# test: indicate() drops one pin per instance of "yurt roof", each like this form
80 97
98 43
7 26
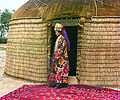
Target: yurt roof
55 9
32 8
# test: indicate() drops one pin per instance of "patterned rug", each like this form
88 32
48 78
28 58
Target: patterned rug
72 92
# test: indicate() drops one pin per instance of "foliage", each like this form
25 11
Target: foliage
3 40
5 17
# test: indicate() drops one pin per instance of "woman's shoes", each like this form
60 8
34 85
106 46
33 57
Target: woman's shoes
58 85
62 85
52 84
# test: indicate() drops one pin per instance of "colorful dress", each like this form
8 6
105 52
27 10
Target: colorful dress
60 62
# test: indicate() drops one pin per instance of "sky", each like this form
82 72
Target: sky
11 4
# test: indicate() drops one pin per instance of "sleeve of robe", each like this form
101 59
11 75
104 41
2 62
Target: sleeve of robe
61 48
61 55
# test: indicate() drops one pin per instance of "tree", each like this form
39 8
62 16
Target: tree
5 17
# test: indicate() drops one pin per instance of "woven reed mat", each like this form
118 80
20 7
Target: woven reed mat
72 92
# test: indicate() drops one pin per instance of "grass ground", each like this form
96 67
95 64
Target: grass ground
3 47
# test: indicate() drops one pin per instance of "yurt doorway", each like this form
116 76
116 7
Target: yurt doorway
72 35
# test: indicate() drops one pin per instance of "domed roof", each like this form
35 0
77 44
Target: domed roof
55 9
32 8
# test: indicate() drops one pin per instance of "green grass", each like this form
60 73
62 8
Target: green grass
2 49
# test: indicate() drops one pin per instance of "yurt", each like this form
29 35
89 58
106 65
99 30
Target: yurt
93 28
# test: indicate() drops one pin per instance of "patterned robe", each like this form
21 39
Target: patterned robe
60 62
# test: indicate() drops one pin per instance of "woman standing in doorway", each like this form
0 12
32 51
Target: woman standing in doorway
60 62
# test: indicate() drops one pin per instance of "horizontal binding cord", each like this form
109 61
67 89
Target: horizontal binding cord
11 49
95 43
97 63
28 43
99 55
95 46
99 68
27 23
103 67
101 17
89 30
20 66
43 26
98 76
30 49
85 47
97 35
98 39
100 72
27 31
39 56
82 50
27 71
34 34
28 34
102 22
26 79
94 59
18 63
96 67
27 53
30 60
26 18
27 56
99 80
26 48
27 37
99 26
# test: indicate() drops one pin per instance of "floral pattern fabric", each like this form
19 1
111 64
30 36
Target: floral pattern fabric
60 62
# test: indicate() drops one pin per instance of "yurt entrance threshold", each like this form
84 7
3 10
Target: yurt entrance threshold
71 29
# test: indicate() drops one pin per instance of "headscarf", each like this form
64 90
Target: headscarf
60 27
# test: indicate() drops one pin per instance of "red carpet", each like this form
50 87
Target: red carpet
72 92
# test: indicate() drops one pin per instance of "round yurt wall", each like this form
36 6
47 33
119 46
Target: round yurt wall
100 52
27 53
27 49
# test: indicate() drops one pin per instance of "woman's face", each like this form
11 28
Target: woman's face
57 33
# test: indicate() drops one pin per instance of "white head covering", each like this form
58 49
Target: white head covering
58 27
